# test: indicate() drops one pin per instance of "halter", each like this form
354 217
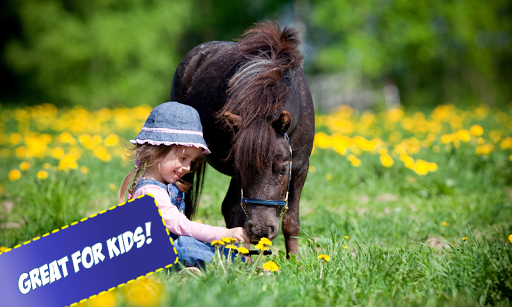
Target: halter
265 202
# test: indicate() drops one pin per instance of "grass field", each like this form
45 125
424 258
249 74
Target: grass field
413 208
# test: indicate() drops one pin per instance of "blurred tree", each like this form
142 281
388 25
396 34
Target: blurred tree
97 52
228 19
435 51
108 52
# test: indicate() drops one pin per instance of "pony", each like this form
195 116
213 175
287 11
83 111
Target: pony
258 121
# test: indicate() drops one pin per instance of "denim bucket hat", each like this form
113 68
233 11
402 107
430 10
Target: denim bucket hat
172 123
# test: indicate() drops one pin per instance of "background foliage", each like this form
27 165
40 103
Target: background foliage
107 53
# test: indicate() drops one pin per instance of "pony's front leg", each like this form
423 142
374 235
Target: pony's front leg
233 213
291 222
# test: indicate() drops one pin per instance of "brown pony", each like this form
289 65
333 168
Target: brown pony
252 96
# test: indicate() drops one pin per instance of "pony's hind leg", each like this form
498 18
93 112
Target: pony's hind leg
233 213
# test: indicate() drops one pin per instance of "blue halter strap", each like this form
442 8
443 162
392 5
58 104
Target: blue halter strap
244 201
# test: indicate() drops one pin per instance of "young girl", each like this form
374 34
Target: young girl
170 142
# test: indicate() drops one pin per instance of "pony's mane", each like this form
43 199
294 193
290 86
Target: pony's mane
259 89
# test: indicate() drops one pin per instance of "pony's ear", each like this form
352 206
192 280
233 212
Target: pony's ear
233 120
282 124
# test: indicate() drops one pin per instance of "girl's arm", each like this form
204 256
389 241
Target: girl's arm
177 222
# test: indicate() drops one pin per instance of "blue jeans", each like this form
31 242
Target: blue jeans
192 252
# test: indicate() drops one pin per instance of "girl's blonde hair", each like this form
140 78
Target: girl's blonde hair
147 156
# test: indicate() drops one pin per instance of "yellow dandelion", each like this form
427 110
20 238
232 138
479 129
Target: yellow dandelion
85 139
482 112
345 247
446 138
42 175
386 160
36 146
243 250
143 292
354 160
112 140
510 238
102 154
261 247
510 157
231 246
322 140
97 139
14 175
265 241
364 144
47 166
463 135
57 153
15 138
21 152
106 299
346 237
113 187
229 240
476 130
68 161
84 170
328 177
432 166
444 223
324 257
485 149
3 249
24 166
270 266
464 239
340 143
217 242
66 137
421 167
394 115
407 160
312 169
506 143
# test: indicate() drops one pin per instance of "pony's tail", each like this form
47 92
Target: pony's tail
126 182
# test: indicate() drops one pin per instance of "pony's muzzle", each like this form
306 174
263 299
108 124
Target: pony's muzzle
261 230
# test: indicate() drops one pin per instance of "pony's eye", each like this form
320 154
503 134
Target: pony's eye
283 170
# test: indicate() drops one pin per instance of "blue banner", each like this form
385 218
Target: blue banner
87 257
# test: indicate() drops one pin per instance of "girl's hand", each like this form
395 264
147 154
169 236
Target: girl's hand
237 233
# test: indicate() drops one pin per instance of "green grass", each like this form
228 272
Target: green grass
398 252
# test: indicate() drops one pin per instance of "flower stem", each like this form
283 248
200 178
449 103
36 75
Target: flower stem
220 260
229 256
257 259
